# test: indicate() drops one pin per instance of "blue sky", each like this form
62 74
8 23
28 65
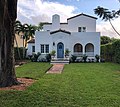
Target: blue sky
35 11
87 6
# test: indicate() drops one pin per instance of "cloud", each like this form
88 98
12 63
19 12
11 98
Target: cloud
106 29
35 11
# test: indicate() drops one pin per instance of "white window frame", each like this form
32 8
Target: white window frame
81 29
44 50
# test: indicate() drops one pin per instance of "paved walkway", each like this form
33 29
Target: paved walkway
56 68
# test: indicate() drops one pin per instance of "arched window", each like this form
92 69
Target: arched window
89 49
78 47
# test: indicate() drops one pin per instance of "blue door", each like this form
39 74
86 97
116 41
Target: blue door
60 50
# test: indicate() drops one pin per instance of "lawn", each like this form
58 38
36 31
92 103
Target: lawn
80 85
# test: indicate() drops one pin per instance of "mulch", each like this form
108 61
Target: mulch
25 82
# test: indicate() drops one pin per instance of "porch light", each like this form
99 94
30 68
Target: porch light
53 43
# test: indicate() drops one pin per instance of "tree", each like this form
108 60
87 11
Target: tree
105 40
17 23
26 31
40 26
8 13
107 15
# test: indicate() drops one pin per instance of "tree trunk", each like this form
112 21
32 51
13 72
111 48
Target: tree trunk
8 11
114 28
17 48
23 48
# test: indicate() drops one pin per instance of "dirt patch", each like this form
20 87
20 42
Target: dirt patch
25 83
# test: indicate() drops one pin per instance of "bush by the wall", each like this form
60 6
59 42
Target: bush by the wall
111 51
116 51
48 57
107 52
73 58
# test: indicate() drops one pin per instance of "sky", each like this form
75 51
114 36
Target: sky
35 11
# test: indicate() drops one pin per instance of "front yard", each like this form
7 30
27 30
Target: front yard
79 85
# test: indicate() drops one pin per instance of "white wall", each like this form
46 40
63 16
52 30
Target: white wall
82 21
69 40
55 22
84 38
73 24
29 49
47 27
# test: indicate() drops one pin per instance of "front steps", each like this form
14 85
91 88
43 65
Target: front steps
60 61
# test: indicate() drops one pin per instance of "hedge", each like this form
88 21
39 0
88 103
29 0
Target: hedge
111 51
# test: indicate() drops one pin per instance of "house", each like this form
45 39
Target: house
78 35
19 40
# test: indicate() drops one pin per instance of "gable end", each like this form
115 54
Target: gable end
81 15
64 31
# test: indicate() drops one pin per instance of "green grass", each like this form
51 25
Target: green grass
80 85
32 70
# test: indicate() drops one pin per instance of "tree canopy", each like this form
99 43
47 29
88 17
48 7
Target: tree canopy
107 15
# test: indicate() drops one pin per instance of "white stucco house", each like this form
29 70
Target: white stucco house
78 35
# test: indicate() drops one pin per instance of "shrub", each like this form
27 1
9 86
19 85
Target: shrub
97 58
111 51
84 57
67 52
107 52
52 53
116 51
73 58
48 57
35 57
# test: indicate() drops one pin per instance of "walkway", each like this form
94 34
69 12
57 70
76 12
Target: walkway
56 68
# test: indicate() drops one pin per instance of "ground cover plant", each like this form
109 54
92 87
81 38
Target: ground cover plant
79 85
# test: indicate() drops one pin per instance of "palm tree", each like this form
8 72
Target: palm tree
20 30
30 32
17 24
40 26
107 15
27 32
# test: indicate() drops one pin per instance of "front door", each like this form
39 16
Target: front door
60 50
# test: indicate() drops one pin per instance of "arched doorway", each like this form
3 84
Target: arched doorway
60 50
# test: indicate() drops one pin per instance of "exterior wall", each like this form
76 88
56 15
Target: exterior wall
69 40
47 27
42 38
73 24
82 21
84 38
46 38
19 41
55 22
29 48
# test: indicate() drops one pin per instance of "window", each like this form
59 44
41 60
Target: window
33 48
44 48
78 48
81 29
84 29
47 48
